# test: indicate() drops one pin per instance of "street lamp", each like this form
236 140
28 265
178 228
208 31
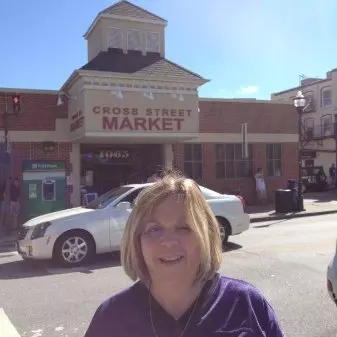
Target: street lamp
299 103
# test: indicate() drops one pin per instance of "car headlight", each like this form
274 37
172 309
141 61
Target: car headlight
39 230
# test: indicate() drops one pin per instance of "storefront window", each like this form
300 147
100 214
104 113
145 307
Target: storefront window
230 163
274 162
193 160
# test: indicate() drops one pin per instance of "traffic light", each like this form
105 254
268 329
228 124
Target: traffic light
16 103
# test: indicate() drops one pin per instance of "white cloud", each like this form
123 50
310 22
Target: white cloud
250 89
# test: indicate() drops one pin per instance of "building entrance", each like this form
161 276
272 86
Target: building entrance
104 167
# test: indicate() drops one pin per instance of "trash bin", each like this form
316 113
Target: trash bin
293 187
283 201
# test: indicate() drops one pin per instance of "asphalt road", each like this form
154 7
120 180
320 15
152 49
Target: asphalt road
287 260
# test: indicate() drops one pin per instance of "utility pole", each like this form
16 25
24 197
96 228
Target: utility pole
16 109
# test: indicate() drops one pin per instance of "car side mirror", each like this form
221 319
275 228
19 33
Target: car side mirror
123 206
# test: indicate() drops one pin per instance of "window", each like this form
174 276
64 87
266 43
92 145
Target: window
274 160
152 42
309 124
134 40
193 160
326 97
326 123
229 161
132 196
115 38
310 102
309 163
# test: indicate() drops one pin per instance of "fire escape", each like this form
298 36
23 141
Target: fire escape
311 133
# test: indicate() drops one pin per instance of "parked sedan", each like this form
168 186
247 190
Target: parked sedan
73 236
332 278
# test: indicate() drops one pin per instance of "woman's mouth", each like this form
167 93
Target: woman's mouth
171 259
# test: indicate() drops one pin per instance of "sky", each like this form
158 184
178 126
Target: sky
246 48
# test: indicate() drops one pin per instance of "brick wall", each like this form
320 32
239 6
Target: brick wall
262 117
227 116
246 186
39 111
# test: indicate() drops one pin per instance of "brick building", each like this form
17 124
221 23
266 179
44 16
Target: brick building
129 110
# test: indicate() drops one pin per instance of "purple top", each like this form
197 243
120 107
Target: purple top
226 307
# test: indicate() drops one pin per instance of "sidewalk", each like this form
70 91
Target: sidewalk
8 240
314 204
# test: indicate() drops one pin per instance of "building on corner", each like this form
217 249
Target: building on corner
130 110
319 136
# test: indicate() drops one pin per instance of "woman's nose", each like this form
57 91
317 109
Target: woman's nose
169 238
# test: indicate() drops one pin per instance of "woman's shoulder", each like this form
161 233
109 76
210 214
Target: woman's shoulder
113 311
231 287
123 299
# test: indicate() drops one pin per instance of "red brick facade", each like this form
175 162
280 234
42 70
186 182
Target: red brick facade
40 112
246 186
262 118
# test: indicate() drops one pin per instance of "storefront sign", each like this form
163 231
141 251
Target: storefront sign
126 119
43 166
77 123
306 154
111 154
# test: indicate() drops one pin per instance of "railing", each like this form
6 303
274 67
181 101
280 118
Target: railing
320 132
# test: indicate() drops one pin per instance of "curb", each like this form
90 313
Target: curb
6 244
290 216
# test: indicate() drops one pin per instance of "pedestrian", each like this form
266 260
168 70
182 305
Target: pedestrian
171 248
260 186
14 202
2 204
332 175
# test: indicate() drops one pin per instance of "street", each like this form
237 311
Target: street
286 259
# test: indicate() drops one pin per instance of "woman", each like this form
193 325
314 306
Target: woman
260 186
172 248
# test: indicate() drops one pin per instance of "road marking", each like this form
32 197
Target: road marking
7 329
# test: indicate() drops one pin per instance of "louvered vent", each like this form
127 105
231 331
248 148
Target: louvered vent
152 43
134 40
115 38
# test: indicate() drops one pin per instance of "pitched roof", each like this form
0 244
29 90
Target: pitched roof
127 9
134 62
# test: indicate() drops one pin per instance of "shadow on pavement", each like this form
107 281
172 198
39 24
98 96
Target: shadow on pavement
20 269
230 246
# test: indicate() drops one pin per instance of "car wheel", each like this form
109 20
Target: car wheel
224 230
73 249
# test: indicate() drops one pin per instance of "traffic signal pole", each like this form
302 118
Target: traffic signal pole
16 108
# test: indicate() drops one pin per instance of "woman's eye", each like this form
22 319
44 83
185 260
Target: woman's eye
184 229
153 229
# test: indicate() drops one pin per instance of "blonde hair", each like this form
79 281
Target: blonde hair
202 222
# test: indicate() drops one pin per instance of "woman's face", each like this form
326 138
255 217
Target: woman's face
170 249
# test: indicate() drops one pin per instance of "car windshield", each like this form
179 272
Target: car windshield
108 197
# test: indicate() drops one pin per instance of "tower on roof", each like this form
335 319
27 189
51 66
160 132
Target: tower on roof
126 26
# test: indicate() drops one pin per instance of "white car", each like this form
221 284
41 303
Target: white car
332 278
73 236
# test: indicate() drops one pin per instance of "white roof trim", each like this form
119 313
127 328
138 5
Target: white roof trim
123 18
104 74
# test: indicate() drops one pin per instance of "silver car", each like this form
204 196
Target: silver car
332 278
